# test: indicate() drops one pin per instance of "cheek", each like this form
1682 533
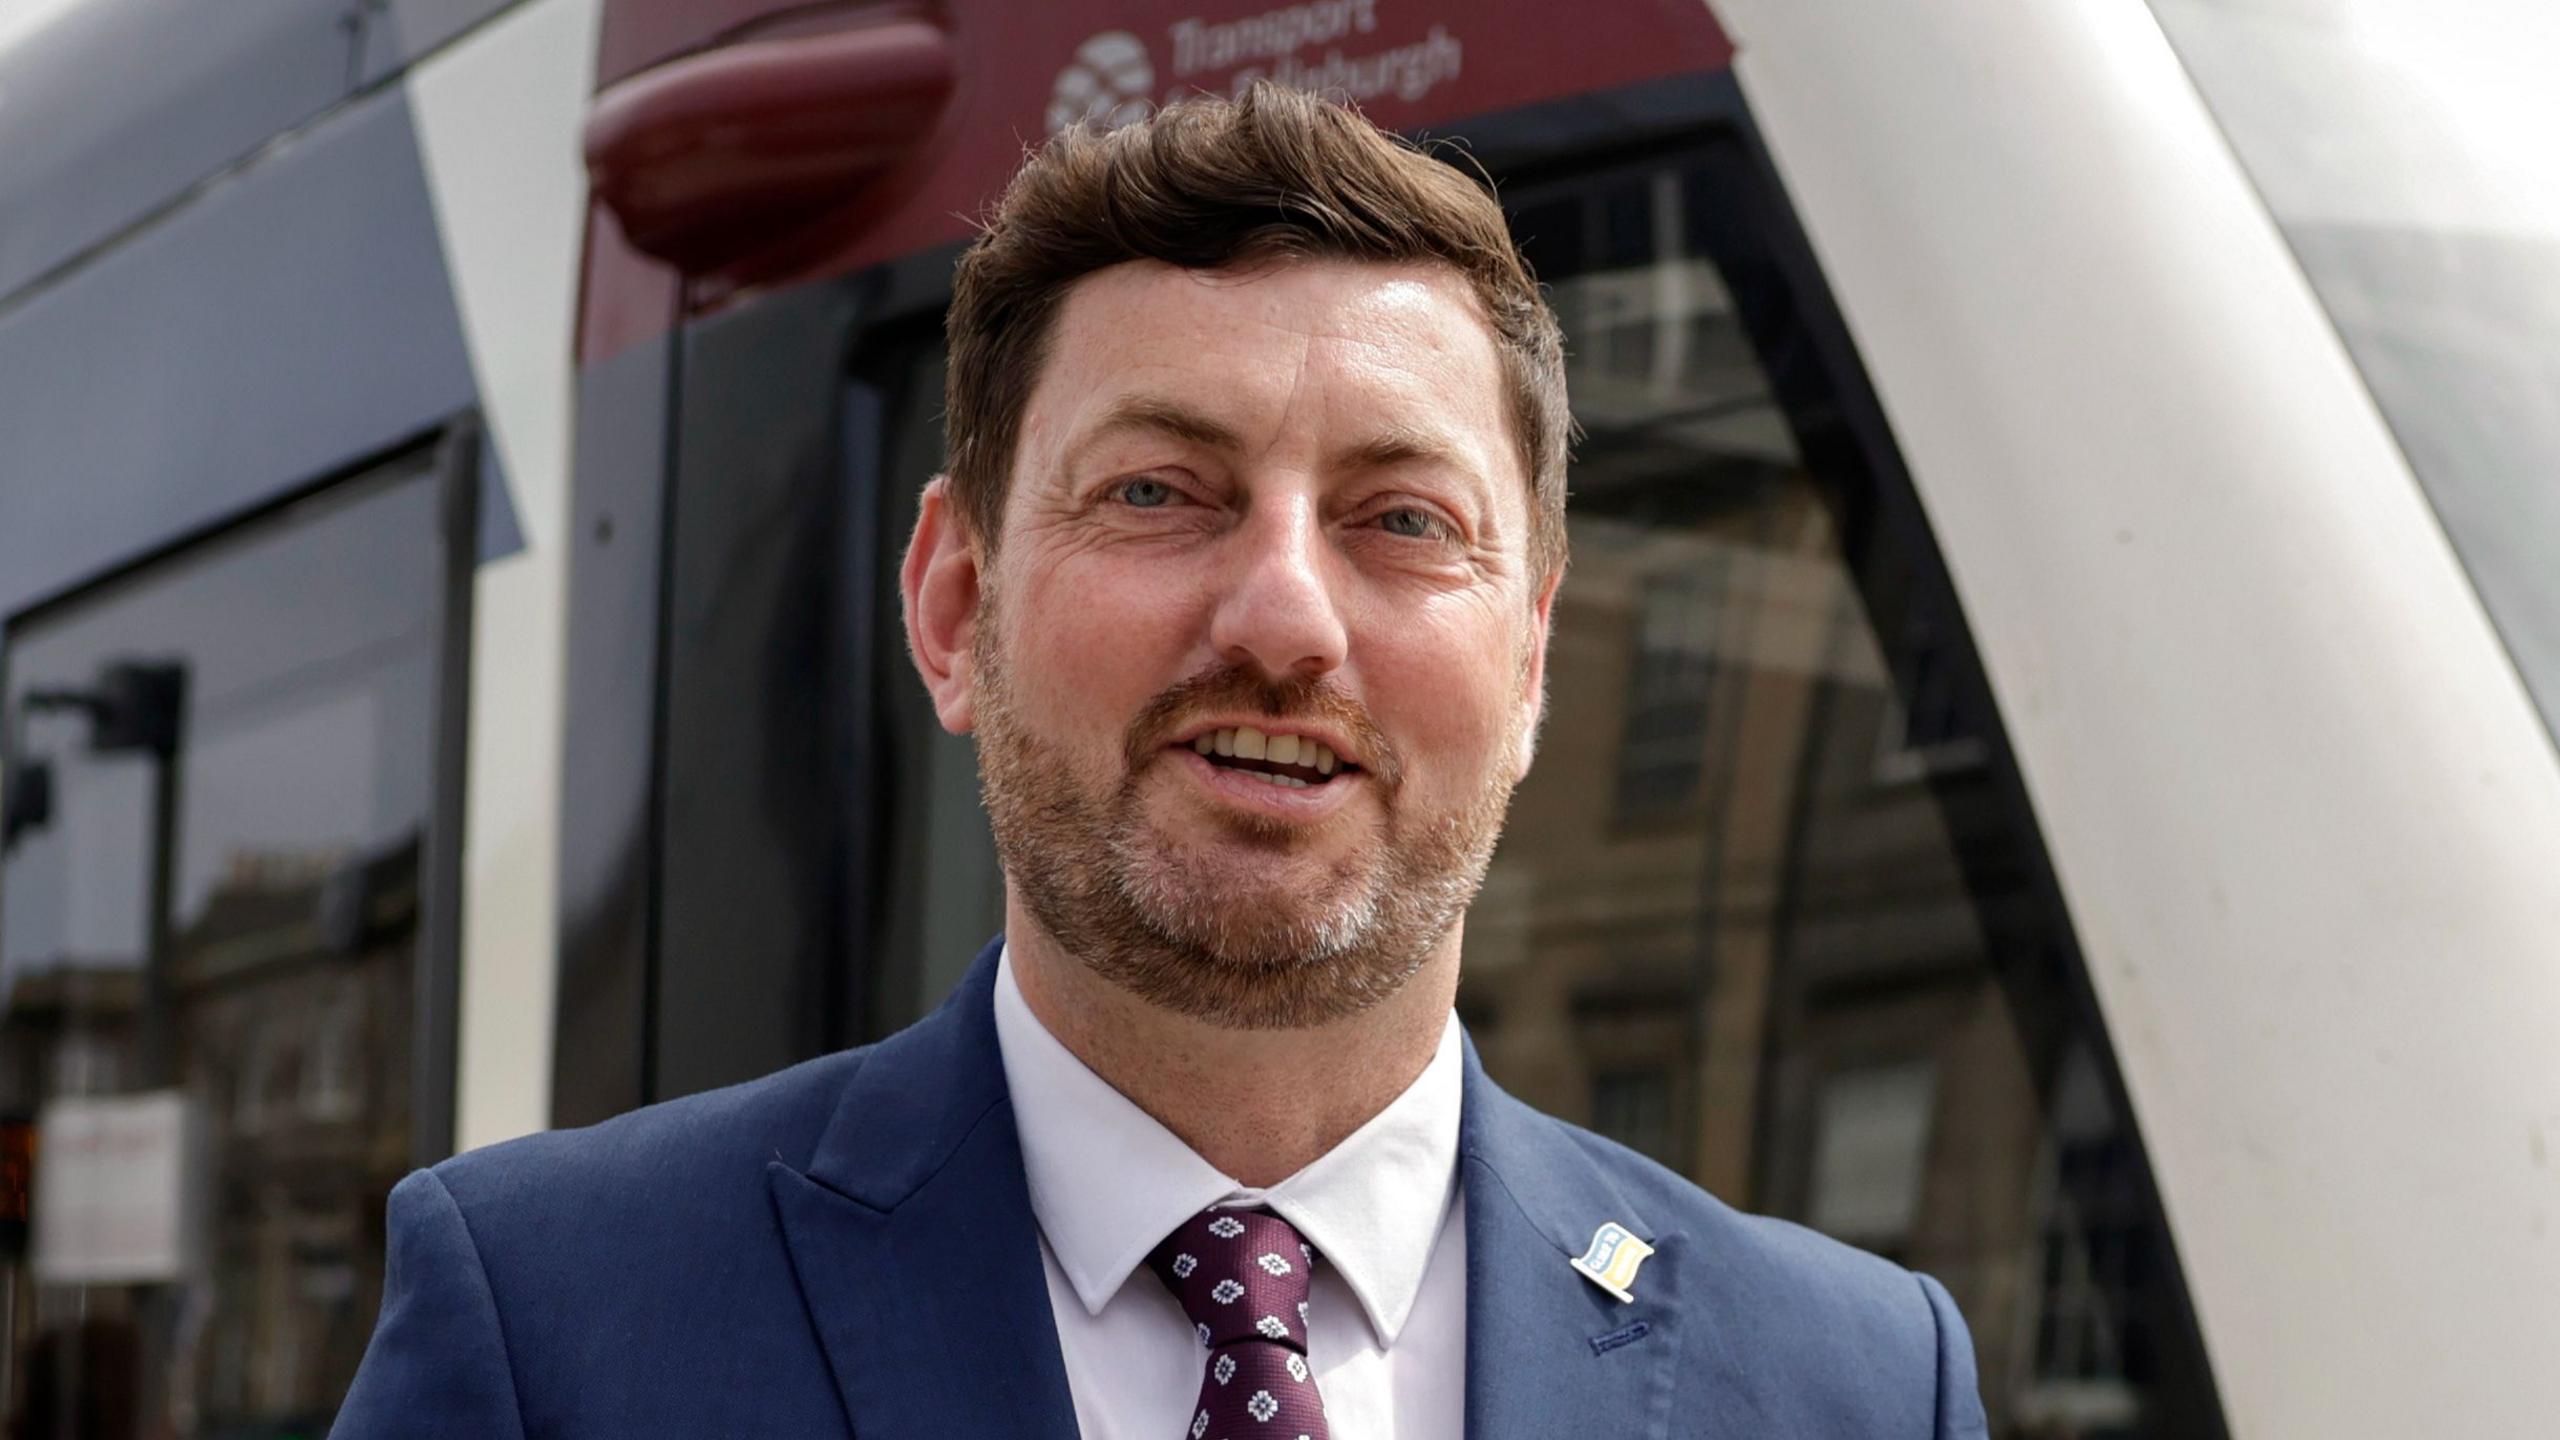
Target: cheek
1091 644
1444 692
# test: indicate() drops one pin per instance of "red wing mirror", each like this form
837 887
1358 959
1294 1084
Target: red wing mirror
709 159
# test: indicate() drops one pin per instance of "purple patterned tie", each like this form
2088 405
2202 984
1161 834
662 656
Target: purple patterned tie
1242 1277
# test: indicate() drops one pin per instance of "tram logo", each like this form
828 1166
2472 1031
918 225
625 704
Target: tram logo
1110 83
1328 46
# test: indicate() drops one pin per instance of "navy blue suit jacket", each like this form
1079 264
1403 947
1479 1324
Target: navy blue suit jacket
849 1245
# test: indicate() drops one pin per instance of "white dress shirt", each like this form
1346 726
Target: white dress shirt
1387 1315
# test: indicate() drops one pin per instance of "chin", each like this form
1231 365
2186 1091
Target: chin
1254 912
1245 860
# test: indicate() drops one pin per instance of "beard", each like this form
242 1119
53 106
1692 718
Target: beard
1213 928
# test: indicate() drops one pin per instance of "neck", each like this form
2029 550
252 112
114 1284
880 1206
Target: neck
1260 1105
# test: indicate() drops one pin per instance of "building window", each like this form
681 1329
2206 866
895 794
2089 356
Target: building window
2093 1341
1871 1139
1670 678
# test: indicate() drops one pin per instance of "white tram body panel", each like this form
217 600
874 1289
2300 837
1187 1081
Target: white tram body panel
2303 811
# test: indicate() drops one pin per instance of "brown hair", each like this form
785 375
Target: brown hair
1206 184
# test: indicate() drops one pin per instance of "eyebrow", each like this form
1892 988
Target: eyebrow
1397 444
1392 444
1139 414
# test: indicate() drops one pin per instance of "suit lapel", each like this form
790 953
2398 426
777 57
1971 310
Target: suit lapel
1548 1352
912 1235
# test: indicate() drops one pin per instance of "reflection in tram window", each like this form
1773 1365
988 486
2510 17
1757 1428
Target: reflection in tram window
1761 911
208 964
1659 760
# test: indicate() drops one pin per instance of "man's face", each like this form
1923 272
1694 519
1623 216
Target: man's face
1274 511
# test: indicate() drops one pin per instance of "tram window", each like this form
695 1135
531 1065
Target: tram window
1762 837
222 1101
1761 910
941 890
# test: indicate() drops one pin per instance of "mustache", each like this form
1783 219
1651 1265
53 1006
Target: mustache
1318 701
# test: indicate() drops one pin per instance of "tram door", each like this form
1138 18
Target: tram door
225 976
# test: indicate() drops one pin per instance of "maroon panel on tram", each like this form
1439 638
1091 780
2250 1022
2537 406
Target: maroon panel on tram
750 145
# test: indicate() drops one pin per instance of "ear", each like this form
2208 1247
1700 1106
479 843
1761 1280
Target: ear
1533 702
940 584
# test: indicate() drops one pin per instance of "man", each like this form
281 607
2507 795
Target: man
1241 575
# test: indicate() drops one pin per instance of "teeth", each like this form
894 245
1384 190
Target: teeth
1243 742
1286 782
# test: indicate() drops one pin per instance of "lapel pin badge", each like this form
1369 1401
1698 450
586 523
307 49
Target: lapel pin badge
1611 1261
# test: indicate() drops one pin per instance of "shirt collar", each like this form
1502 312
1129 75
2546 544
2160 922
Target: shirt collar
1108 1182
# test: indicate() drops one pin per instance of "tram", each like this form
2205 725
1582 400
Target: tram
2050 769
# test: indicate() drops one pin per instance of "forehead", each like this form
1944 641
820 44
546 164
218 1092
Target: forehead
1337 345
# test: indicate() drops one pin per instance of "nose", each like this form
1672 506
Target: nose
1276 609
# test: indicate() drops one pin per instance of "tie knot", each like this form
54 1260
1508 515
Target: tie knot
1239 1274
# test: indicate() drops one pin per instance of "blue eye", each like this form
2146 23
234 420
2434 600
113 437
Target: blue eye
1410 523
1146 494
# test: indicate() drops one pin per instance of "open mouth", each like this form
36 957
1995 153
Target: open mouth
1290 761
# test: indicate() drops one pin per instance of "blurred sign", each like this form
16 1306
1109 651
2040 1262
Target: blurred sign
120 1197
